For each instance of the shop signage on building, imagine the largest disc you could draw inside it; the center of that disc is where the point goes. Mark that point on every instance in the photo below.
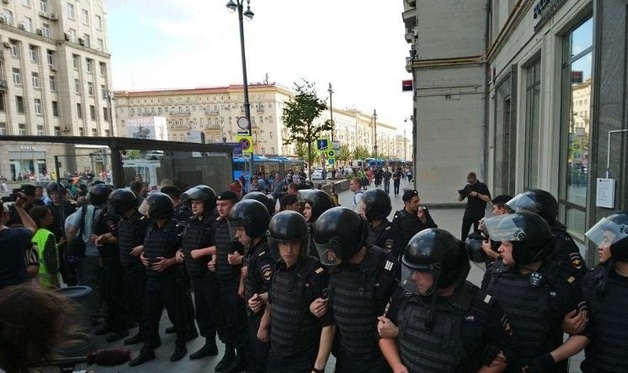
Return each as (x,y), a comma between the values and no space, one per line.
(544,10)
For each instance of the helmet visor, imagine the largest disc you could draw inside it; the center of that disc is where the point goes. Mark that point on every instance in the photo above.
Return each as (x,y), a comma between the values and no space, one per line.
(144,207)
(233,228)
(288,246)
(327,252)
(503,228)
(521,202)
(417,280)
(606,232)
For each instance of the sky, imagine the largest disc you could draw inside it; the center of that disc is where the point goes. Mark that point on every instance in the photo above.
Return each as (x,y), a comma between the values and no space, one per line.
(356,45)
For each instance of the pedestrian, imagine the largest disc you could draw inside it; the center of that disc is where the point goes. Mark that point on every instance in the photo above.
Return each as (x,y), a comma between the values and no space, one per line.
(375,207)
(537,294)
(295,334)
(397,175)
(15,243)
(386,175)
(44,239)
(477,196)
(413,218)
(249,219)
(362,280)
(437,320)
(164,280)
(355,185)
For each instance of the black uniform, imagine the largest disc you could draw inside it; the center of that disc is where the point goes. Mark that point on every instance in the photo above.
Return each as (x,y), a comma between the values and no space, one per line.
(163,288)
(294,330)
(475,209)
(397,175)
(387,236)
(358,294)
(566,252)
(112,274)
(606,293)
(467,330)
(261,267)
(209,313)
(536,306)
(68,273)
(131,233)
(182,214)
(410,224)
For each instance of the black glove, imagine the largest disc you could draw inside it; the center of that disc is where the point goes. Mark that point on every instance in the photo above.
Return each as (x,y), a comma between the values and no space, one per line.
(489,353)
(541,364)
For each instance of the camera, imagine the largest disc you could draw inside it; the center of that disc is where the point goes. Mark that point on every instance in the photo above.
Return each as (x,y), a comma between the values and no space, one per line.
(15,194)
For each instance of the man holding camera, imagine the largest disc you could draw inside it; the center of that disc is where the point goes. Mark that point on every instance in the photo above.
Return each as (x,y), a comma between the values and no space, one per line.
(477,196)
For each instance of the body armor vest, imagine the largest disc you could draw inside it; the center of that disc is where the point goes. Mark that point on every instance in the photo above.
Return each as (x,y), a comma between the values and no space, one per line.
(293,327)
(163,242)
(108,252)
(131,233)
(357,299)
(438,348)
(607,299)
(254,283)
(197,235)
(224,247)
(528,307)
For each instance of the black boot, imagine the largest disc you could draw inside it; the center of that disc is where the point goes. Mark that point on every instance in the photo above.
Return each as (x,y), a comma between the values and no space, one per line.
(227,359)
(238,365)
(138,338)
(179,353)
(144,356)
(209,349)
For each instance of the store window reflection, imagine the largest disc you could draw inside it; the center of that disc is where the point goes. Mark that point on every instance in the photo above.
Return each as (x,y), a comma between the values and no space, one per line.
(576,124)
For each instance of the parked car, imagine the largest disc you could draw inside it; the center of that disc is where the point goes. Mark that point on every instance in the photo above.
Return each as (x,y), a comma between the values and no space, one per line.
(317,174)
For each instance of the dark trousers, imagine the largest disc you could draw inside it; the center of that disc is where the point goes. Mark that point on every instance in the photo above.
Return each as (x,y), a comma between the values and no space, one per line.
(396,183)
(113,295)
(467,222)
(165,290)
(209,314)
(134,287)
(299,363)
(190,315)
(367,363)
(387,186)
(90,274)
(234,312)
(258,358)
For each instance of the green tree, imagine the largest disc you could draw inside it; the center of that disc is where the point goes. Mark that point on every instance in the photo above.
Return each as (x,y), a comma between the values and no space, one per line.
(343,154)
(299,115)
(360,152)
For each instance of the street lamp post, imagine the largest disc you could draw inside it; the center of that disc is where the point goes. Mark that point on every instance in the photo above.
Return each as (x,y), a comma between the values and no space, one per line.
(239,6)
(110,100)
(331,112)
(375,130)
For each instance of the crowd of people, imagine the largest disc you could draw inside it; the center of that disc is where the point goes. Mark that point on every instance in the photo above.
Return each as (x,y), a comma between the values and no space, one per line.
(283,277)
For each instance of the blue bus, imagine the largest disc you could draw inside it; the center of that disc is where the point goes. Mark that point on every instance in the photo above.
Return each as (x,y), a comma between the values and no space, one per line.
(268,166)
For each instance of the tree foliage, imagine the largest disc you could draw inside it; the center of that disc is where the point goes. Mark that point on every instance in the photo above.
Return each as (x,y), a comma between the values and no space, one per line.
(344,154)
(298,117)
(360,152)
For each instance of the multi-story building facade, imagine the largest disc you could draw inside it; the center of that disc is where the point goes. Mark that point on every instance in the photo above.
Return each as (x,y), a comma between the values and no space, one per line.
(214,111)
(550,82)
(55,77)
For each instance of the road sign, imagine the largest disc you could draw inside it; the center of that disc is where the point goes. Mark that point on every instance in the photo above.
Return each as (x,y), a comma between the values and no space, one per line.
(246,142)
(331,154)
(243,123)
(336,145)
(322,144)
(331,160)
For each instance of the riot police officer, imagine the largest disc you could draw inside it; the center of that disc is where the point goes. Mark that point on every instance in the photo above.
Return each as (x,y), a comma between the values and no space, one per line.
(197,235)
(315,202)
(408,220)
(565,251)
(606,292)
(299,279)
(375,207)
(263,198)
(362,279)
(132,228)
(105,237)
(249,219)
(535,293)
(438,321)
(164,283)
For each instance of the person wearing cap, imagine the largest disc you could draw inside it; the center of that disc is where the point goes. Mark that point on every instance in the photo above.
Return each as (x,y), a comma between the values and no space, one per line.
(412,218)
(290,202)
(477,196)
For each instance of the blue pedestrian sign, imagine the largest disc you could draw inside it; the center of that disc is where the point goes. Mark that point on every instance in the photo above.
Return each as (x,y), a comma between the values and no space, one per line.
(322,144)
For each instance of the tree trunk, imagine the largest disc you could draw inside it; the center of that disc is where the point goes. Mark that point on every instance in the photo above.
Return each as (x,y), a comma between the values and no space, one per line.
(309,160)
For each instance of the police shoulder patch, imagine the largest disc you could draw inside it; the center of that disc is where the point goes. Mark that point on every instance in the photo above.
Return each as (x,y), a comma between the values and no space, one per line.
(506,325)
(267,272)
(576,260)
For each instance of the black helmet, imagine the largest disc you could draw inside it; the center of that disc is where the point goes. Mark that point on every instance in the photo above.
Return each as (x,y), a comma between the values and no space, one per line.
(473,243)
(99,193)
(160,206)
(438,252)
(122,200)
(612,231)
(264,199)
(529,233)
(537,201)
(200,193)
(287,226)
(250,214)
(341,230)
(376,204)
(318,199)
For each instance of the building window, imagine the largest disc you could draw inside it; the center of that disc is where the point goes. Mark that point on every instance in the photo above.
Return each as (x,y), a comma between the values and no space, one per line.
(22,129)
(45,30)
(77,86)
(3,128)
(32,52)
(43,5)
(17,76)
(103,92)
(57,131)
(79,111)
(76,61)
(103,70)
(70,9)
(50,57)
(72,33)
(8,16)
(105,114)
(55,108)
(87,41)
(28,24)
(37,103)
(13,48)
(85,16)
(40,130)
(35,79)
(89,64)
(19,103)
(575,126)
(53,82)
(26,3)
(81,131)
(90,88)
(533,139)
(98,23)
(94,132)
(1,101)
(92,112)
